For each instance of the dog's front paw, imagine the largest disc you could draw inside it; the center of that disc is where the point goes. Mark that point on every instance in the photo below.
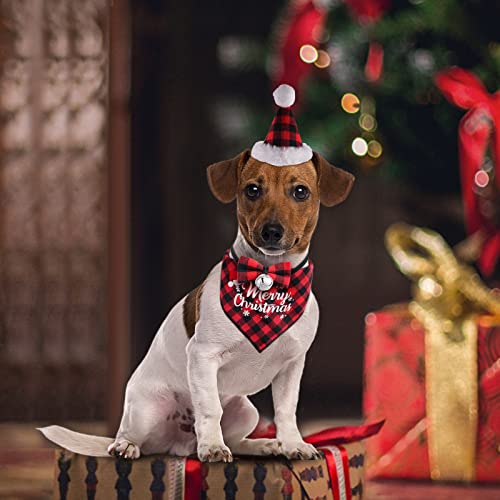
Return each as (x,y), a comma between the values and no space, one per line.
(265,447)
(259,447)
(214,453)
(124,449)
(299,450)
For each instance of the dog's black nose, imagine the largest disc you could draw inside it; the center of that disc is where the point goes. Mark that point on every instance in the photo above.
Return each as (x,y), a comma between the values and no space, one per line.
(272,233)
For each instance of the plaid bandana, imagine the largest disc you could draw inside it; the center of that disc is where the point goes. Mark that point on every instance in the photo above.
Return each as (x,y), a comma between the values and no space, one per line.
(262,316)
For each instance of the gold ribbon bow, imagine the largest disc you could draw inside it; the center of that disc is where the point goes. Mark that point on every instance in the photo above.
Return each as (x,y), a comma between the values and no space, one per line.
(447,297)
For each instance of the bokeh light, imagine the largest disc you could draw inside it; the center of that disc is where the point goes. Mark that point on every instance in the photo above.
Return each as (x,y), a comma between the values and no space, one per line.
(359,146)
(430,286)
(308,54)
(370,319)
(375,149)
(350,103)
(481,179)
(367,122)
(323,60)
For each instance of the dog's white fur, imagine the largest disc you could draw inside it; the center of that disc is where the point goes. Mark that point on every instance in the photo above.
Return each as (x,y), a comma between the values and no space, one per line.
(211,374)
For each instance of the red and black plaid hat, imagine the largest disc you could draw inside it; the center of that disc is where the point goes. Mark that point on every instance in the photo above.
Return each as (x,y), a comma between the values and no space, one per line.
(283,144)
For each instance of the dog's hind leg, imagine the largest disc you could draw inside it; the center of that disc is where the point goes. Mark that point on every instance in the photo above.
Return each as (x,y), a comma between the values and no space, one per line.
(239,419)
(144,424)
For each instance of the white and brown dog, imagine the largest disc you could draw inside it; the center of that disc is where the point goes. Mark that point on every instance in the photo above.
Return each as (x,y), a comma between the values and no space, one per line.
(190,392)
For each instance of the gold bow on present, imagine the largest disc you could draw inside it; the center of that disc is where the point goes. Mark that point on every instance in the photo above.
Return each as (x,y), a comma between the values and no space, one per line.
(447,298)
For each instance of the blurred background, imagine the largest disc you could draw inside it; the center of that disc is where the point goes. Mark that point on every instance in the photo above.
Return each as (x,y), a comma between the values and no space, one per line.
(110,113)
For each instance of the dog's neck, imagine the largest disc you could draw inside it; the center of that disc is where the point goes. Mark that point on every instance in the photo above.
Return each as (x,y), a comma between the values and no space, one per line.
(242,247)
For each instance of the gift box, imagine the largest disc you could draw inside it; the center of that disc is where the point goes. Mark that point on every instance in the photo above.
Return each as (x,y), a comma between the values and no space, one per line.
(432,370)
(339,474)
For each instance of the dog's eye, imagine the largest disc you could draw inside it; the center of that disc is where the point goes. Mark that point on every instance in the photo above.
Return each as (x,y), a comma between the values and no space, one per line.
(253,191)
(300,193)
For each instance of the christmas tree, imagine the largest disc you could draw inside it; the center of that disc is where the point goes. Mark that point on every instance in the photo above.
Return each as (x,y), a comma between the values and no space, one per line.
(366,71)
(401,109)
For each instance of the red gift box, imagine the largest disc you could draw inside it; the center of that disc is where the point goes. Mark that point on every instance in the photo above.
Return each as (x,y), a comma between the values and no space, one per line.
(395,390)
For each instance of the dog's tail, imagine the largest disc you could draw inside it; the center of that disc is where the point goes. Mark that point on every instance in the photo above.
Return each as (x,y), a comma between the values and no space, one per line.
(83,444)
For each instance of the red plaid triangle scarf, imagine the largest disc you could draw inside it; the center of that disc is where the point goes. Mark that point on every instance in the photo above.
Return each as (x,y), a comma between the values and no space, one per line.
(263,316)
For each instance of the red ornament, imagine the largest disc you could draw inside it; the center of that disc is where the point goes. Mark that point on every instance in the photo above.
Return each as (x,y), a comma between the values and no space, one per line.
(304,20)
(375,62)
(368,11)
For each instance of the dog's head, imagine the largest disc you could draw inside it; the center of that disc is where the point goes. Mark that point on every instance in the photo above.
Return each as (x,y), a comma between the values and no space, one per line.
(278,207)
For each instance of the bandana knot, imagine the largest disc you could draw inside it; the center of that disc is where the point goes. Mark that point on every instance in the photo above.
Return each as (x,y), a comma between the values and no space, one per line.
(249,269)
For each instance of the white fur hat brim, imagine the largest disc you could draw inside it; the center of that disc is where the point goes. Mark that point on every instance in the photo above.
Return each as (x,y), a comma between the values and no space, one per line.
(281,156)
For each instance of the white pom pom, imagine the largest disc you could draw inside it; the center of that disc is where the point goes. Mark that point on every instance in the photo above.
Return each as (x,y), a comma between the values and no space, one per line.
(284,96)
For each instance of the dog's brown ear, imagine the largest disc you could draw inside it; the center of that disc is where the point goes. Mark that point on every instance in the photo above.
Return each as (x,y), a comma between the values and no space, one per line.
(223,176)
(335,184)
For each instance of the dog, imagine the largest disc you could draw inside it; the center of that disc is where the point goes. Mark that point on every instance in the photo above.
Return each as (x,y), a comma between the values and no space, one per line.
(231,338)
(200,370)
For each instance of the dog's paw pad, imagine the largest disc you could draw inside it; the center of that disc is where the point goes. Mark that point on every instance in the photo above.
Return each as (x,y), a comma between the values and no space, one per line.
(214,453)
(300,451)
(124,449)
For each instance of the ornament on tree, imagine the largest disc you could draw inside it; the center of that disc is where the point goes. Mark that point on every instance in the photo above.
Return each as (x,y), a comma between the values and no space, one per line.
(301,31)
(480,175)
(417,42)
(374,62)
(298,35)
(301,38)
(368,11)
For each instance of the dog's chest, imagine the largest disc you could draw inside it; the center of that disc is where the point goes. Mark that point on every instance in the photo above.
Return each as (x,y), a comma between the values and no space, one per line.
(245,370)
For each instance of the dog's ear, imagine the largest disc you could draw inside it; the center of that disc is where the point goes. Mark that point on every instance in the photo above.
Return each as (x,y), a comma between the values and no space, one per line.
(334,183)
(223,176)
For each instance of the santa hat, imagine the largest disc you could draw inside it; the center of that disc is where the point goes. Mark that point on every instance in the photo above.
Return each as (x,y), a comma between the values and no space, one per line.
(282,145)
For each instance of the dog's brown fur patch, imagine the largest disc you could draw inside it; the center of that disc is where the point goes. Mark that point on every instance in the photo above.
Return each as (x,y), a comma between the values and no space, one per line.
(327,184)
(223,176)
(277,204)
(191,309)
(335,184)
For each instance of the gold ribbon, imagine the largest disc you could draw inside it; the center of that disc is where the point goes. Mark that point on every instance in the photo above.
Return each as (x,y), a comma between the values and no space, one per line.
(447,297)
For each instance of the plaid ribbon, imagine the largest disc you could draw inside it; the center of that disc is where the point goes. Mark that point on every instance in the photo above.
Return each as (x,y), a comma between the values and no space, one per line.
(284,131)
(262,316)
(249,269)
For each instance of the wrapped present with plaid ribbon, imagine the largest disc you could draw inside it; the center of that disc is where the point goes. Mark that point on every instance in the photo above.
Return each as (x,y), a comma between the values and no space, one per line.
(338,475)
(432,369)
